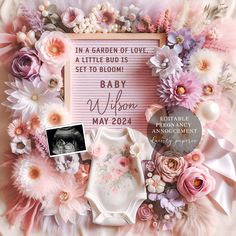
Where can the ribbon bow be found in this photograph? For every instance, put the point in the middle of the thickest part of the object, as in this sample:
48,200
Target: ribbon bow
221,160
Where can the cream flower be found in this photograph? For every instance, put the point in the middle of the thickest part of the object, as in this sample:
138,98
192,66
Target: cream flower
34,176
53,82
20,145
67,202
207,64
55,115
53,48
136,150
105,16
155,184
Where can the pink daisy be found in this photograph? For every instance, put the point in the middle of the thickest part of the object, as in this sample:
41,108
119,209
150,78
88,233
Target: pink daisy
18,129
181,89
196,157
35,125
34,177
67,202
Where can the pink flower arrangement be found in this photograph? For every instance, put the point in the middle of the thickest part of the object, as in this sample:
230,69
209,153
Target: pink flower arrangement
67,202
195,182
169,168
145,213
53,48
195,158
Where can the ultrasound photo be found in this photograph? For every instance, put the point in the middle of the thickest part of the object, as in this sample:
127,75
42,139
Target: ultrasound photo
66,140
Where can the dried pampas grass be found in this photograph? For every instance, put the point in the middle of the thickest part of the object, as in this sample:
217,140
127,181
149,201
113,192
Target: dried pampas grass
200,220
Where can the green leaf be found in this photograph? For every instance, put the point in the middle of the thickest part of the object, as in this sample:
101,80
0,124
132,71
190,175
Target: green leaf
52,8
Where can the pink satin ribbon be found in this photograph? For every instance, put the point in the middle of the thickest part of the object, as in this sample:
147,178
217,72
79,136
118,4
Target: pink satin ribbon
221,160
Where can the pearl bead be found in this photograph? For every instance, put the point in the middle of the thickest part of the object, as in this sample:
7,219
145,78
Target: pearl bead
31,35
149,175
21,36
41,7
208,111
47,3
166,217
76,29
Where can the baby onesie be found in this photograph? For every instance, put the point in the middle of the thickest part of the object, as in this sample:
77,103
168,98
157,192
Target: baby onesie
116,186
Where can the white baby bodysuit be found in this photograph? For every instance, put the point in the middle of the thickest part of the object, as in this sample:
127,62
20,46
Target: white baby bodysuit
116,186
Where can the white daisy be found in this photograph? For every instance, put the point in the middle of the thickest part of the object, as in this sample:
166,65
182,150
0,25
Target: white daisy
55,115
34,176
20,145
207,64
27,97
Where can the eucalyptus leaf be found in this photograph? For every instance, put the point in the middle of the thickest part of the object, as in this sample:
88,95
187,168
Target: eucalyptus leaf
52,9
50,27
60,29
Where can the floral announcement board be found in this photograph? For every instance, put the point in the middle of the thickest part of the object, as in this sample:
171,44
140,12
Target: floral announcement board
119,117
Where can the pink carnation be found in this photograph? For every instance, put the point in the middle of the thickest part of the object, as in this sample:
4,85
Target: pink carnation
195,182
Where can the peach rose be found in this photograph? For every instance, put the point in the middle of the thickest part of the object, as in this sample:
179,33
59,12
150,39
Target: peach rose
145,213
53,48
169,168
195,182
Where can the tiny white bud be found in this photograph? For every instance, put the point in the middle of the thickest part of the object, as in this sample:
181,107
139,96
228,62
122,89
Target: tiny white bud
21,37
41,7
46,3
45,13
149,175
166,217
76,29
31,35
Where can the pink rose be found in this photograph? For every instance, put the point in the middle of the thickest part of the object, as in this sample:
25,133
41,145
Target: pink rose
123,164
145,213
98,150
72,16
53,48
169,168
195,182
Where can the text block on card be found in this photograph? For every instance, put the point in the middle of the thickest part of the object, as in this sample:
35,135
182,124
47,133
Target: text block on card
108,82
